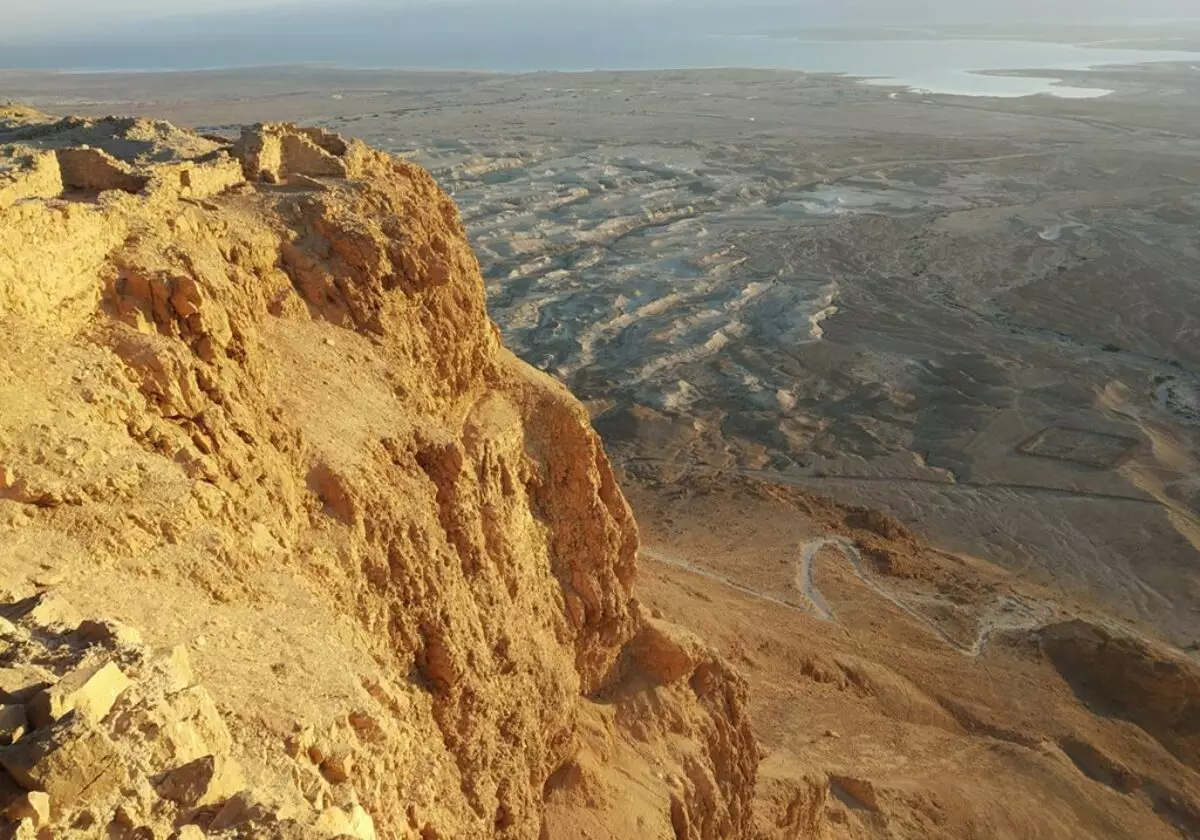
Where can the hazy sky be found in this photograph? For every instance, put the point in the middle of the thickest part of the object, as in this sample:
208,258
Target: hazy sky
50,19
27,22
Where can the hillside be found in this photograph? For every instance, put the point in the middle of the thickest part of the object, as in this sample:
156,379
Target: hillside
351,568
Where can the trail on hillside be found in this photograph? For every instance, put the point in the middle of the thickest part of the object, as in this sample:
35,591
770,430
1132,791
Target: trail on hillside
1006,613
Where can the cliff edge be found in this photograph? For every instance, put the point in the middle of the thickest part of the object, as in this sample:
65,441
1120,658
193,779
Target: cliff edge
253,411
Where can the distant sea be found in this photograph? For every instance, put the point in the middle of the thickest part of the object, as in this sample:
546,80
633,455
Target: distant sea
362,37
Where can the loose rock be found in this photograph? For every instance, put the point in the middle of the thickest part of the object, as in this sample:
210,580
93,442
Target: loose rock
49,609
91,691
12,723
109,632
19,683
337,766
65,759
205,781
33,806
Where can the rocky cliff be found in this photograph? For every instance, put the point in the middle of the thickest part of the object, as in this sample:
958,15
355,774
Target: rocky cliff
251,404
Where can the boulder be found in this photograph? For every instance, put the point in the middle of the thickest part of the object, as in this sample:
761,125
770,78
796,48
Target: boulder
19,683
90,690
186,726
206,781
242,808
66,759
49,609
109,632
338,764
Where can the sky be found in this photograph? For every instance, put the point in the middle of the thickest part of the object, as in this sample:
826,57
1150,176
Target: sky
50,18
503,35
56,19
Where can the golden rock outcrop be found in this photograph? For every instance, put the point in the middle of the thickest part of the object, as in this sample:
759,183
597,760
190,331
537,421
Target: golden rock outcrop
251,403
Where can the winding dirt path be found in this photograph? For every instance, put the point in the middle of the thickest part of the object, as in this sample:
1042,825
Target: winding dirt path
678,563
1009,612
804,576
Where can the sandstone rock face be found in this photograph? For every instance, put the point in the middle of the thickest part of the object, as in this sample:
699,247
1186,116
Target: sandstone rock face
239,370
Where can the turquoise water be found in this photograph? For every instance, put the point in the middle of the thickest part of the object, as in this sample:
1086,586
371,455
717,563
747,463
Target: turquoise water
952,67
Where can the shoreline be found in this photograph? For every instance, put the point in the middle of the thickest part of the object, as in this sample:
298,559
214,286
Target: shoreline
1076,83
952,63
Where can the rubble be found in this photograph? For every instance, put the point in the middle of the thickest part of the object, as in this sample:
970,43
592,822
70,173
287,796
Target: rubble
123,743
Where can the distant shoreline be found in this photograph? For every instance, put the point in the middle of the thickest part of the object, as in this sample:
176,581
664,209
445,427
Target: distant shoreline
985,62
1079,81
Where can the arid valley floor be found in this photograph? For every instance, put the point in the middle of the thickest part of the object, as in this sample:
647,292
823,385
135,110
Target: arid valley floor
904,390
